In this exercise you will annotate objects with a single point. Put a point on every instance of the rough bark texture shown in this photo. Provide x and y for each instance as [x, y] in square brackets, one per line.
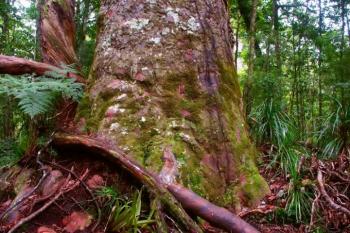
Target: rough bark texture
[57, 40]
[57, 32]
[163, 76]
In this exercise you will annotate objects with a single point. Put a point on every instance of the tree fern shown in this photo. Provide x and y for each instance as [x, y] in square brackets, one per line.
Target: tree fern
[37, 95]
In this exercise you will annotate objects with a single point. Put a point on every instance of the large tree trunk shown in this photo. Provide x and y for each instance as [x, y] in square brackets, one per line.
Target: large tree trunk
[162, 76]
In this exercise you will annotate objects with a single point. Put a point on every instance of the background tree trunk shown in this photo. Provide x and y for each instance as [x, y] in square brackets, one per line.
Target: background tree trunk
[57, 40]
[57, 32]
[248, 97]
[162, 76]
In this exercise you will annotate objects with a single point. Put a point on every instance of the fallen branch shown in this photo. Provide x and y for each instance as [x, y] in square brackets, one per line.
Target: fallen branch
[259, 210]
[18, 66]
[215, 215]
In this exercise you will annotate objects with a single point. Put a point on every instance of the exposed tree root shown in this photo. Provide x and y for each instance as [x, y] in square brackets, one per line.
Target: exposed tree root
[198, 206]
[17, 66]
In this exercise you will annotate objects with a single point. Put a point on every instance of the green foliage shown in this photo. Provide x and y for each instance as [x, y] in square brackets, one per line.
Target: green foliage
[10, 153]
[17, 33]
[271, 124]
[37, 95]
[334, 132]
[274, 126]
[127, 215]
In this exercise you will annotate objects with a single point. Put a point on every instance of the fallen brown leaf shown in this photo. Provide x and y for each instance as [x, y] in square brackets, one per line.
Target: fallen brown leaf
[76, 221]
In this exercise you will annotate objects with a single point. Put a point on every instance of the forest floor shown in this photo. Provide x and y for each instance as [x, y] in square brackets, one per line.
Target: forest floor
[72, 211]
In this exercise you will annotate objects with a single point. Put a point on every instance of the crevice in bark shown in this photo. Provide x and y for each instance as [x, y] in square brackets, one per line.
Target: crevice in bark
[211, 84]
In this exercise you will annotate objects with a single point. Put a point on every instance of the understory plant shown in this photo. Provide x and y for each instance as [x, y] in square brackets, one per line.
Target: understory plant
[273, 126]
[27, 102]
[334, 132]
[127, 215]
[38, 95]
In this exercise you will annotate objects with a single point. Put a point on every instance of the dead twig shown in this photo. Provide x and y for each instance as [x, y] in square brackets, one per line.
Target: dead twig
[44, 175]
[94, 199]
[67, 187]
[313, 210]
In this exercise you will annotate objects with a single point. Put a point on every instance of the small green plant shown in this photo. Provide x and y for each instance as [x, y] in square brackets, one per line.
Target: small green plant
[299, 201]
[127, 215]
[110, 194]
[37, 95]
[272, 125]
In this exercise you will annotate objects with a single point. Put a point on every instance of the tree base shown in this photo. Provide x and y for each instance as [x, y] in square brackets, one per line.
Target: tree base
[167, 195]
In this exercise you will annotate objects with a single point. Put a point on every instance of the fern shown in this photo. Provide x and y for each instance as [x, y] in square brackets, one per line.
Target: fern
[37, 95]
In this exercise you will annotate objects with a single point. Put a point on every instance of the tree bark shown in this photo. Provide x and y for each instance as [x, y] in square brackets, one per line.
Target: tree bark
[57, 42]
[57, 32]
[162, 76]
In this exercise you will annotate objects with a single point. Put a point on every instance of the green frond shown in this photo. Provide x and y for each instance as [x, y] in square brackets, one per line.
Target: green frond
[37, 95]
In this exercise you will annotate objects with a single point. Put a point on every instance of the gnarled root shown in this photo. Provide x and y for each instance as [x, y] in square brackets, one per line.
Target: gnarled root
[169, 195]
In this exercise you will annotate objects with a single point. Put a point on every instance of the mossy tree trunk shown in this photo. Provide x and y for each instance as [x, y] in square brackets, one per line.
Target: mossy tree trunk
[163, 77]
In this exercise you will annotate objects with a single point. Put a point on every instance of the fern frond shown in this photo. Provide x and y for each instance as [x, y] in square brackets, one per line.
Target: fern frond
[37, 95]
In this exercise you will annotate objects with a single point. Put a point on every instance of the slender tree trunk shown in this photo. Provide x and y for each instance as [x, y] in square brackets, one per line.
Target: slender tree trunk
[237, 41]
[83, 17]
[276, 32]
[320, 28]
[247, 94]
[163, 76]
[342, 74]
